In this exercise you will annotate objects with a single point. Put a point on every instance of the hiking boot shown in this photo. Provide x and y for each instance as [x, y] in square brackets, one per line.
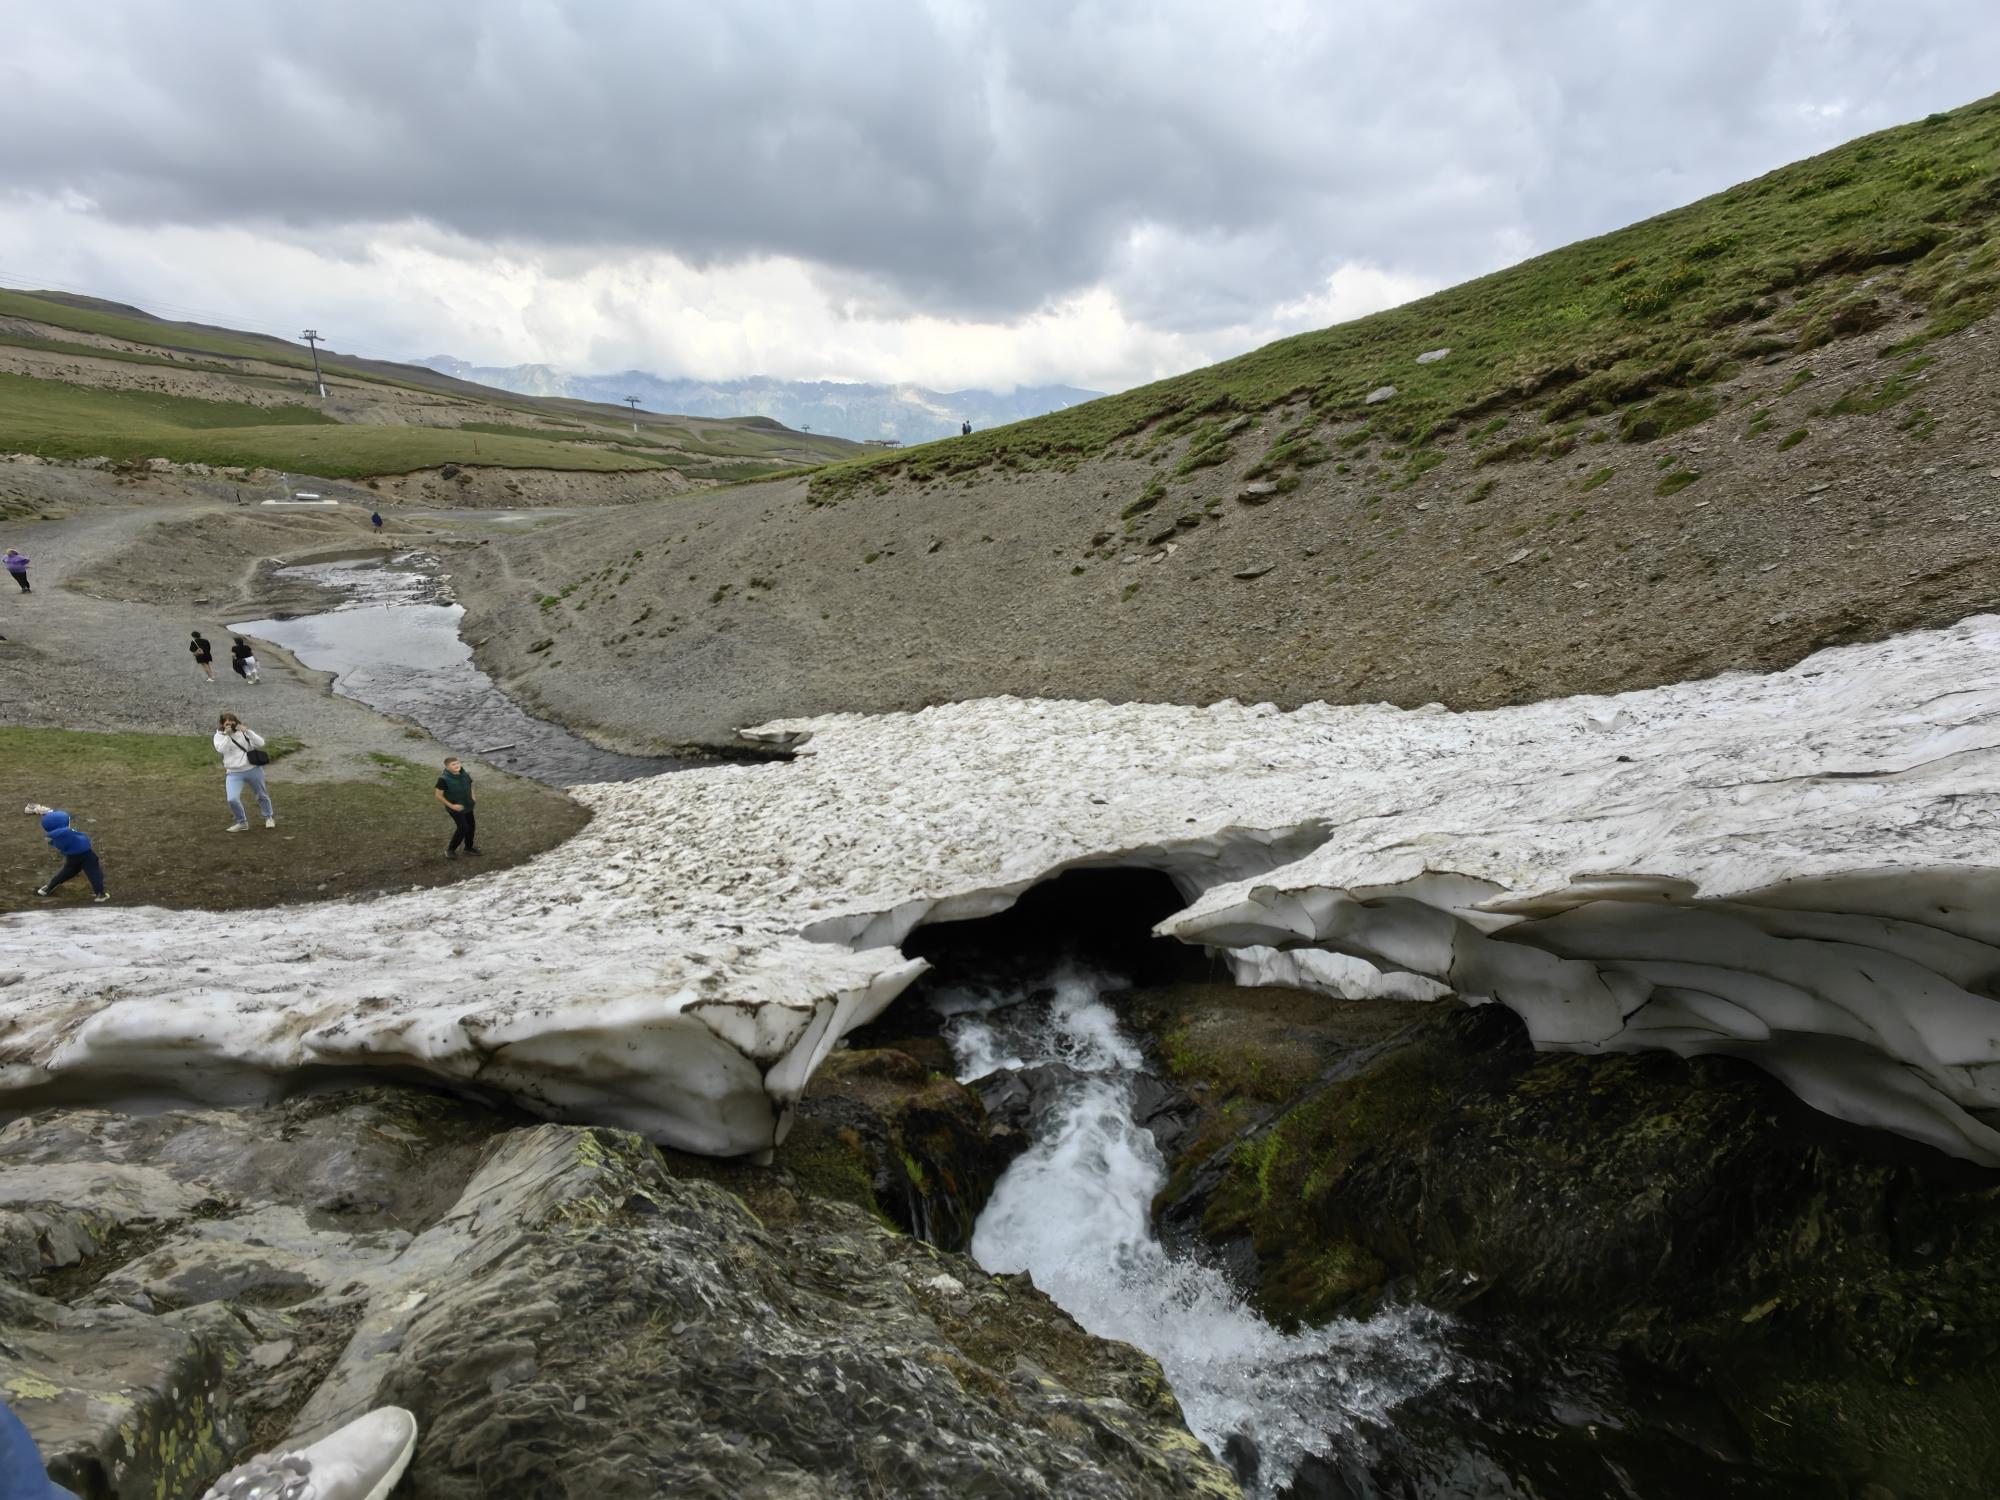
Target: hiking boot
[102, 896]
[42, 890]
[470, 850]
[451, 854]
[270, 822]
[237, 828]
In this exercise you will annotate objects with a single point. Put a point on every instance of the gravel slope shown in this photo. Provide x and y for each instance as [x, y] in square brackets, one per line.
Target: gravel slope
[1475, 584]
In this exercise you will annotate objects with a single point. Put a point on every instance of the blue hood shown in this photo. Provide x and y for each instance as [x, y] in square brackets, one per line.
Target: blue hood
[63, 838]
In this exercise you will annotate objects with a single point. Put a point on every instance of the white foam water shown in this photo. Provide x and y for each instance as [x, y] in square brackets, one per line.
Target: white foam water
[1075, 1212]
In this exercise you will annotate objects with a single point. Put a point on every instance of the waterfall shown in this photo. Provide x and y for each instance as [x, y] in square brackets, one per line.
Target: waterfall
[1075, 1212]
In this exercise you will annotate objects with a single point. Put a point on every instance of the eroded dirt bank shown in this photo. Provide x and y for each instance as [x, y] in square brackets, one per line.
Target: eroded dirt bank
[1587, 564]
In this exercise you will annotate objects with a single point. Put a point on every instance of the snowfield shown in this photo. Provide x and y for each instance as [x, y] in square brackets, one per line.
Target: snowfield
[1802, 869]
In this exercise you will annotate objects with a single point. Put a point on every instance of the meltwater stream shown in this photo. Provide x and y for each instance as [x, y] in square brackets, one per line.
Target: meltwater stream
[1075, 1212]
[393, 643]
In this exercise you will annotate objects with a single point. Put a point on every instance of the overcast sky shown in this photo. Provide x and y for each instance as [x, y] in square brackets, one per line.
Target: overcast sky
[937, 191]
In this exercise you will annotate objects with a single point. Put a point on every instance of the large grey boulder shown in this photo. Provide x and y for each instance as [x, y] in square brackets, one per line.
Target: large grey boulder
[585, 1319]
[562, 1313]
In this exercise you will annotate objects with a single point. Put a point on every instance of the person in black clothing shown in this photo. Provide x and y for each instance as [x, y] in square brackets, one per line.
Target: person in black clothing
[375, 520]
[243, 661]
[454, 790]
[202, 652]
[965, 429]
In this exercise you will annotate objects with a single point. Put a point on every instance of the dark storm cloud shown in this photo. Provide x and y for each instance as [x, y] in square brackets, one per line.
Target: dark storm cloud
[1206, 162]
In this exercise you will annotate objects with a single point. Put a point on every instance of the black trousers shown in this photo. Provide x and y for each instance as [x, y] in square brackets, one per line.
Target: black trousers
[22, 579]
[84, 864]
[464, 824]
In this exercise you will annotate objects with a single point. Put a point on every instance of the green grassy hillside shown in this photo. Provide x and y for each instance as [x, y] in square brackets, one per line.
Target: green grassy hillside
[1591, 327]
[57, 420]
[71, 398]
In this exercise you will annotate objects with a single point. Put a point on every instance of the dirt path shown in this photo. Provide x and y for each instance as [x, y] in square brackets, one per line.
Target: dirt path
[100, 645]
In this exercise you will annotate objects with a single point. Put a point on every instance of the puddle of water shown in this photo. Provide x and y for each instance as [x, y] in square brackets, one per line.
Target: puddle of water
[393, 644]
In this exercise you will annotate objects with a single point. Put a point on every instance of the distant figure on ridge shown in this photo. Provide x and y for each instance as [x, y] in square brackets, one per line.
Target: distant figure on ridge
[243, 760]
[17, 564]
[202, 652]
[454, 790]
[965, 428]
[74, 846]
[243, 661]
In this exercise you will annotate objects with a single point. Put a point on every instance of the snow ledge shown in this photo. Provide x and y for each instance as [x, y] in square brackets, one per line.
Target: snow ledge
[1816, 888]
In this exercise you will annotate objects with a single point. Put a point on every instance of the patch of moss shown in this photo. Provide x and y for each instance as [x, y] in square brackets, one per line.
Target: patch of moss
[1669, 414]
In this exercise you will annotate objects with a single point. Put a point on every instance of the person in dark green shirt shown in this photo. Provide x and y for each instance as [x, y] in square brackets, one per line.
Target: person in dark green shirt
[454, 790]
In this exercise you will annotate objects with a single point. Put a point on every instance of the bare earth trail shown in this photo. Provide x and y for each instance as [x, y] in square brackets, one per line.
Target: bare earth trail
[122, 573]
[77, 660]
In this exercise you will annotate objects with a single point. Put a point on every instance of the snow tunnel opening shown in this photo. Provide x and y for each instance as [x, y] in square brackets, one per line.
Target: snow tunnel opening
[1099, 920]
[1103, 918]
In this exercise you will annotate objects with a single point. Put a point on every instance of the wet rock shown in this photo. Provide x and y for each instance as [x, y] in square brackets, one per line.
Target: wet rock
[720, 1357]
[123, 1406]
[1760, 1275]
[1026, 1099]
[563, 1313]
[898, 1135]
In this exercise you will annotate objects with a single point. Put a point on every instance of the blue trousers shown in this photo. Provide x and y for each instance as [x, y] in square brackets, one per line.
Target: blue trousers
[252, 777]
[84, 864]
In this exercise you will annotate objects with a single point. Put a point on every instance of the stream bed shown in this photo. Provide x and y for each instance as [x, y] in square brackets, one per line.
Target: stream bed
[393, 643]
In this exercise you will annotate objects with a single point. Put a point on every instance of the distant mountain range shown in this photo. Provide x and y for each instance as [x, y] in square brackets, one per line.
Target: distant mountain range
[906, 413]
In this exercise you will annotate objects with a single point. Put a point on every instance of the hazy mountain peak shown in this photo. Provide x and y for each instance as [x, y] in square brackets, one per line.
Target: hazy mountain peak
[851, 409]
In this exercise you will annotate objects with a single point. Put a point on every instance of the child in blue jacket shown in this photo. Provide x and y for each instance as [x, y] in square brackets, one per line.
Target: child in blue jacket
[74, 846]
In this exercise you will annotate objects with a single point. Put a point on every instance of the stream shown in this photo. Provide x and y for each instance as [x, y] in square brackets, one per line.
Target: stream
[1075, 1212]
[393, 643]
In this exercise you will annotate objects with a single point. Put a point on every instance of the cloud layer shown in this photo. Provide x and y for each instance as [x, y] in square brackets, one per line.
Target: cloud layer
[900, 185]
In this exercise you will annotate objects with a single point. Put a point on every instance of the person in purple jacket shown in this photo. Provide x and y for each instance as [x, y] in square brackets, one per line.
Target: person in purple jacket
[73, 844]
[17, 564]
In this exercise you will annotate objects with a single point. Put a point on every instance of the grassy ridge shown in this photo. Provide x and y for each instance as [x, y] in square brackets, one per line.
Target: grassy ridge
[36, 417]
[57, 420]
[180, 337]
[1594, 325]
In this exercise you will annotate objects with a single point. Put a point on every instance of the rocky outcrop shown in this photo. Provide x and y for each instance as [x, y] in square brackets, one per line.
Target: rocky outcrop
[882, 1130]
[558, 1308]
[1656, 1267]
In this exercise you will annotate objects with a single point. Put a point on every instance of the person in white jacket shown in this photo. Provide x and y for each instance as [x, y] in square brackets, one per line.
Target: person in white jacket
[236, 742]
